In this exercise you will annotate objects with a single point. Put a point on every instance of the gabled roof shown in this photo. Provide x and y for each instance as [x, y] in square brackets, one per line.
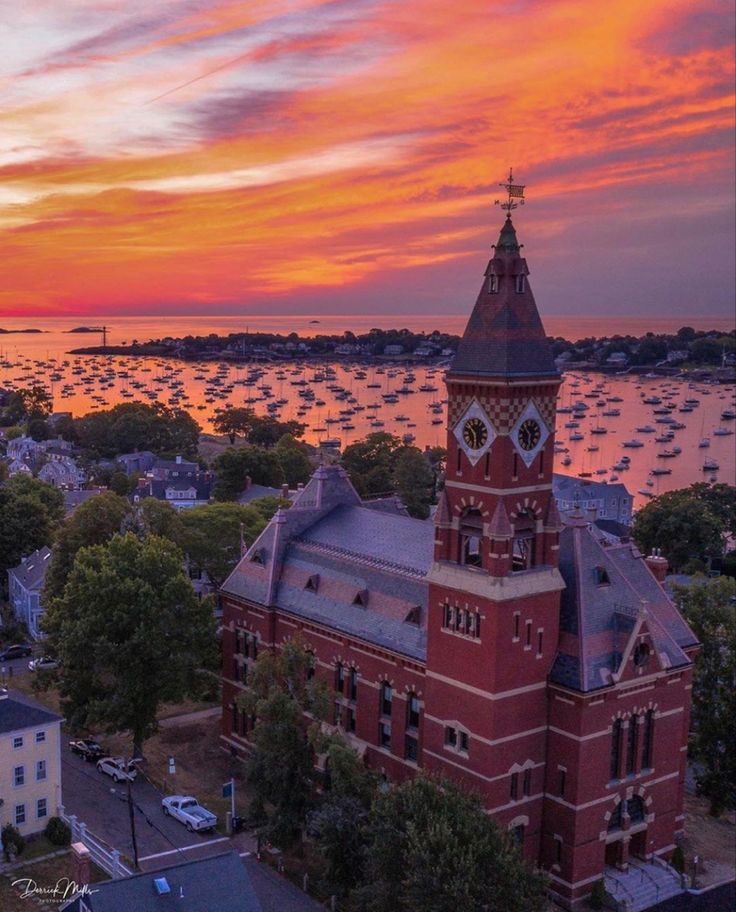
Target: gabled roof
[18, 713]
[504, 336]
[349, 547]
[609, 591]
[203, 885]
[31, 571]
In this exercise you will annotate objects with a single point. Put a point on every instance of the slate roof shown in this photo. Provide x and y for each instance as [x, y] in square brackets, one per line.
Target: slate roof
[72, 499]
[256, 491]
[316, 557]
[17, 714]
[504, 336]
[607, 585]
[31, 571]
[217, 884]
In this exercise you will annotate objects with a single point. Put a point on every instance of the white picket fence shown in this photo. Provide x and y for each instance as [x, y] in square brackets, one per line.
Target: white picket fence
[103, 855]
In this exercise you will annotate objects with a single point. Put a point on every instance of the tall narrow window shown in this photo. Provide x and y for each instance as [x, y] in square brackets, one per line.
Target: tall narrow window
[519, 835]
[528, 633]
[615, 748]
[487, 469]
[447, 615]
[353, 685]
[631, 745]
[647, 756]
[493, 284]
[515, 469]
[386, 698]
[539, 642]
[339, 677]
[522, 546]
[520, 284]
[541, 461]
[459, 466]
[517, 620]
[471, 533]
[412, 711]
[527, 783]
[514, 786]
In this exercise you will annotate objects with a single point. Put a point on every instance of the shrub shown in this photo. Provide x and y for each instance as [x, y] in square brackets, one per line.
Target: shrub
[597, 897]
[678, 859]
[12, 841]
[58, 832]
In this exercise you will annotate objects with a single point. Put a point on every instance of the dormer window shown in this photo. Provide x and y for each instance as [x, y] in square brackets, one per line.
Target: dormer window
[471, 535]
[493, 283]
[520, 283]
[312, 583]
[414, 616]
[601, 577]
[522, 546]
[361, 598]
[258, 557]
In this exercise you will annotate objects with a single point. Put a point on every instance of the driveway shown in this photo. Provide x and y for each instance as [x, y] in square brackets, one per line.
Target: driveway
[102, 804]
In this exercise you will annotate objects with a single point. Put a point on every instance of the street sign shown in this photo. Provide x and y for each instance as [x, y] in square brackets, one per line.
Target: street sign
[227, 790]
[172, 766]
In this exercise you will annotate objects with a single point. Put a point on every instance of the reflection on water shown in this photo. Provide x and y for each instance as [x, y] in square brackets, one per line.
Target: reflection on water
[646, 432]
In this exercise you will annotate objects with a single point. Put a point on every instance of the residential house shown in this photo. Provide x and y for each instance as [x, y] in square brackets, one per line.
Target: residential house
[602, 500]
[136, 462]
[25, 583]
[62, 471]
[30, 763]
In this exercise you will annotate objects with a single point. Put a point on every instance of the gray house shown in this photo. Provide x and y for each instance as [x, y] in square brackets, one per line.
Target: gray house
[25, 583]
[601, 500]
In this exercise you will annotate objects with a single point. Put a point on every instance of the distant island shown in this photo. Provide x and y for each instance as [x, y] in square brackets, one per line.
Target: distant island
[84, 329]
[668, 353]
[7, 332]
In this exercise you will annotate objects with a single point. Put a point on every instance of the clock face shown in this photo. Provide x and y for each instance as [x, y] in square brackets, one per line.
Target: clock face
[475, 433]
[529, 434]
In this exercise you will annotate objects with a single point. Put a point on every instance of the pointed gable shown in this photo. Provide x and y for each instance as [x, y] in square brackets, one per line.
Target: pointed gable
[504, 336]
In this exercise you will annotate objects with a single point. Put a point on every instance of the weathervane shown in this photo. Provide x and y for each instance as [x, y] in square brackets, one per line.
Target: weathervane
[514, 191]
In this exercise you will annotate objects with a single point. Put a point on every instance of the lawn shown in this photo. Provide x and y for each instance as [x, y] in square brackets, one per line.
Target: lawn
[712, 839]
[46, 874]
[202, 767]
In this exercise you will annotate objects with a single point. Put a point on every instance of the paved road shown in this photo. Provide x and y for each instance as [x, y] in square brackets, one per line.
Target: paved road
[721, 899]
[16, 666]
[102, 804]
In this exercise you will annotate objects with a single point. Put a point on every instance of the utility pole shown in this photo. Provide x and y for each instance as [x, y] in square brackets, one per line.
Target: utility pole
[131, 814]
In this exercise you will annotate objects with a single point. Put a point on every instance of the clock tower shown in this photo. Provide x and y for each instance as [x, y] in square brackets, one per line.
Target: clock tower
[494, 586]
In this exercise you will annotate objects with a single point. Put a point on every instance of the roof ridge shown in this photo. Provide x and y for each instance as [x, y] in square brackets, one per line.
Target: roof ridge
[403, 569]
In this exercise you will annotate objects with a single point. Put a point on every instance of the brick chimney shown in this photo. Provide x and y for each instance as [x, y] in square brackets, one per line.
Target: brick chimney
[285, 491]
[80, 864]
[658, 565]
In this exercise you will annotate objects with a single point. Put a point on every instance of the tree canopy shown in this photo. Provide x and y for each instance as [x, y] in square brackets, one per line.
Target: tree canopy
[130, 634]
[29, 512]
[234, 466]
[131, 426]
[258, 430]
[689, 523]
[709, 606]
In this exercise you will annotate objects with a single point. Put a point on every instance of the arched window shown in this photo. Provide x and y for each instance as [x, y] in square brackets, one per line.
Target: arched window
[635, 809]
[471, 536]
[522, 551]
[520, 284]
[631, 745]
[493, 283]
[615, 822]
[648, 749]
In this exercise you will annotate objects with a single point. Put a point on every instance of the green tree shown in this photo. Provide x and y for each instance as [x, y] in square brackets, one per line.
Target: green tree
[160, 518]
[233, 422]
[233, 467]
[29, 509]
[409, 867]
[280, 768]
[413, 480]
[94, 522]
[683, 524]
[211, 536]
[38, 429]
[37, 403]
[294, 461]
[266, 431]
[119, 484]
[130, 633]
[370, 462]
[710, 609]
[131, 426]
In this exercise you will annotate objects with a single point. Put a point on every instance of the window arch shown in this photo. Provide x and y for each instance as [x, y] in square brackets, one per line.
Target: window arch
[523, 543]
[636, 809]
[471, 536]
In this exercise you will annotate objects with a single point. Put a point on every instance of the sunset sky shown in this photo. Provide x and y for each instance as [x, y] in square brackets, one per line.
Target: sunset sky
[302, 156]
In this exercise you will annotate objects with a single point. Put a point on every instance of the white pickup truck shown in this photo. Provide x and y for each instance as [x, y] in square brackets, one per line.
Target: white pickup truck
[189, 812]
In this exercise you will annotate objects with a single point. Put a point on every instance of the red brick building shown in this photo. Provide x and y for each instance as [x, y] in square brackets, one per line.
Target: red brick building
[544, 668]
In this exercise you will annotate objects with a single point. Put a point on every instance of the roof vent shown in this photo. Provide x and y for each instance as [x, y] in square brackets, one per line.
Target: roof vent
[361, 598]
[258, 557]
[312, 583]
[601, 576]
[414, 616]
[161, 885]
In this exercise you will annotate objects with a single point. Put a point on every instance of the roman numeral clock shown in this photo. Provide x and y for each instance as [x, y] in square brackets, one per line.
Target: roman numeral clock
[474, 432]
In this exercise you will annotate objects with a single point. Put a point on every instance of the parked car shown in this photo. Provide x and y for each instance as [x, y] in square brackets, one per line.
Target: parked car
[87, 748]
[42, 662]
[16, 652]
[190, 812]
[117, 768]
